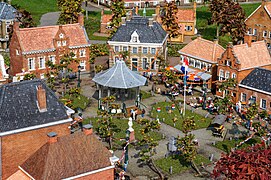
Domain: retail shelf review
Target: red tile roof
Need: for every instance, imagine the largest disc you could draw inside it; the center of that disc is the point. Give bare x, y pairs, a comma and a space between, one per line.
186, 15
106, 18
268, 8
19, 175
254, 56
70, 156
204, 49
41, 38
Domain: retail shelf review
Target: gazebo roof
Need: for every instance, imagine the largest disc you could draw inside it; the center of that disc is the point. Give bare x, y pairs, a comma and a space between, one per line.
119, 76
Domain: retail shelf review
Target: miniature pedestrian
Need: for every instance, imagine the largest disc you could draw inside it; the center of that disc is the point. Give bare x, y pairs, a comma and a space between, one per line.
143, 113
135, 114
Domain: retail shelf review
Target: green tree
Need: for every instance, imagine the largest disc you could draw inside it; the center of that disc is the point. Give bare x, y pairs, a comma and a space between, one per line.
229, 17
170, 19
69, 11
187, 145
148, 144
29, 76
118, 11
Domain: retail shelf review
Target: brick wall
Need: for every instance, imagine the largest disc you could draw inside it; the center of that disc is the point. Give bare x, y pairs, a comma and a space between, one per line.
104, 175
15, 67
16, 148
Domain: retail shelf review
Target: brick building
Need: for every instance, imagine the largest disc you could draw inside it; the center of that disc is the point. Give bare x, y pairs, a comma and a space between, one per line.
29, 110
202, 56
238, 61
30, 48
259, 24
105, 22
77, 156
143, 38
256, 88
7, 17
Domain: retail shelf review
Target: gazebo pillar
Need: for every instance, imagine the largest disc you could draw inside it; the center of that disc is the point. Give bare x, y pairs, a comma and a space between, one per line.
99, 96
108, 91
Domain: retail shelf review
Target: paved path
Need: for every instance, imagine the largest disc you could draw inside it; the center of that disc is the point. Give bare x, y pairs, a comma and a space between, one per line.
49, 19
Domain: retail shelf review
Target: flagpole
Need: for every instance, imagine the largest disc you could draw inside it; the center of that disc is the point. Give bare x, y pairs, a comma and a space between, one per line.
184, 80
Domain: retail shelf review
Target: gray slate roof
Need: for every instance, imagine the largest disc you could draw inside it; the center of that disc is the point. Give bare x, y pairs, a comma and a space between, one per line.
259, 79
7, 11
18, 104
119, 76
147, 34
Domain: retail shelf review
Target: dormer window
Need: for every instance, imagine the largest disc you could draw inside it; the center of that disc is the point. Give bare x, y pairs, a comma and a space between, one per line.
58, 43
64, 43
135, 37
61, 35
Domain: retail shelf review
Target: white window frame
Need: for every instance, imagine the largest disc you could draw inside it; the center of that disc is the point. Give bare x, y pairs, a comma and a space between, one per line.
31, 66
227, 75
83, 65
82, 53
154, 63
242, 99
58, 43
52, 58
64, 43
221, 74
146, 63
143, 50
249, 31
265, 33
42, 64
261, 104
135, 49
153, 52
117, 49
255, 31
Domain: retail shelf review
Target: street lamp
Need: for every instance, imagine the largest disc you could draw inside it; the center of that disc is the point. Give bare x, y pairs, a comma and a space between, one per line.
79, 80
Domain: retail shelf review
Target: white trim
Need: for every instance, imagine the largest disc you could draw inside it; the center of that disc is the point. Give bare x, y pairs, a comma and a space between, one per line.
35, 127
89, 173
261, 101
267, 11
198, 58
113, 43
26, 173
252, 13
254, 89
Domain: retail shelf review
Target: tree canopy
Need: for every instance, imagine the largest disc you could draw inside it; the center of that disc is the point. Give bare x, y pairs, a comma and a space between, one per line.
69, 11
118, 11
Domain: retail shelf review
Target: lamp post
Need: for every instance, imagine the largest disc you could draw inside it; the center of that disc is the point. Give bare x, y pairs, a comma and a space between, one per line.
126, 158
204, 89
79, 80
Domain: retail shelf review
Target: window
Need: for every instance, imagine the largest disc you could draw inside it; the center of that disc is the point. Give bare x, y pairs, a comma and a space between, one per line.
264, 33
252, 100
83, 65
197, 64
52, 59
221, 74
117, 49
134, 64
255, 32
153, 50
58, 43
145, 64
263, 104
227, 75
233, 75
270, 34
17, 52
125, 48
61, 35
135, 39
42, 76
64, 43
145, 50
243, 97
155, 3
134, 50
41, 62
153, 63
188, 28
249, 31
82, 52
31, 64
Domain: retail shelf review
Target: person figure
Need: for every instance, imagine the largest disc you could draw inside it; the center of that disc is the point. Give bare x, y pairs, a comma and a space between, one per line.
135, 114
143, 113
239, 106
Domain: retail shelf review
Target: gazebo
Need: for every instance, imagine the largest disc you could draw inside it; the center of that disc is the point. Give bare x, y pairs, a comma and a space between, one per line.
119, 81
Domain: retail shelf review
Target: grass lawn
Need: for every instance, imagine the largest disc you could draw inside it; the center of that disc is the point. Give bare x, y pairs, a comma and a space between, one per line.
178, 164
201, 122
228, 144
76, 102
37, 7
145, 94
122, 124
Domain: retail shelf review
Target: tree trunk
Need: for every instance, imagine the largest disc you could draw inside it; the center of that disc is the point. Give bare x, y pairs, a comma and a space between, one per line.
217, 31
194, 166
155, 169
110, 142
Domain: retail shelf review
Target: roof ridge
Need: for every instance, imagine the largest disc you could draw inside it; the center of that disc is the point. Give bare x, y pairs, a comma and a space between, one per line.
45, 27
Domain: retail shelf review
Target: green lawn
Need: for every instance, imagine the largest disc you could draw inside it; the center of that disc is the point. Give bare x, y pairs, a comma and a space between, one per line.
37, 7
76, 102
122, 124
228, 144
201, 122
145, 94
178, 164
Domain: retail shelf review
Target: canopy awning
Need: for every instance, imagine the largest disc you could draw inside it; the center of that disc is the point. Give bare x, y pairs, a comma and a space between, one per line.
119, 76
204, 76
178, 67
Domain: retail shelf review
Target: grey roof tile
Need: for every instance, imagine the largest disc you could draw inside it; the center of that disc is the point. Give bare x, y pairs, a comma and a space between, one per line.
7, 11
259, 79
18, 104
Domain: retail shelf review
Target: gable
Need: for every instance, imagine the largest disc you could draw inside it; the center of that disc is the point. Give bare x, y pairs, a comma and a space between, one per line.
260, 15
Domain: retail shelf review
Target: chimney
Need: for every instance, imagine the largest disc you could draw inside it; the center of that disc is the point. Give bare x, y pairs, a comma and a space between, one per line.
16, 26
215, 41
249, 40
128, 16
123, 20
229, 49
198, 36
87, 129
41, 98
157, 10
52, 137
136, 11
154, 16
81, 19
150, 21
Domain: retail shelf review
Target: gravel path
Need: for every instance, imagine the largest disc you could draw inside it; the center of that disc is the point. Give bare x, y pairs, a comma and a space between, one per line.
49, 19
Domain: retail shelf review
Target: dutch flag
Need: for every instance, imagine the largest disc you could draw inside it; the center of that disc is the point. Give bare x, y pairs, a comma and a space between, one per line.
184, 67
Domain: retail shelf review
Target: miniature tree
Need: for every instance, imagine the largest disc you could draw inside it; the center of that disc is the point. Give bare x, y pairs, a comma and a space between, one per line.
229, 17
69, 11
186, 145
170, 19
148, 144
118, 11
29, 76
249, 163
